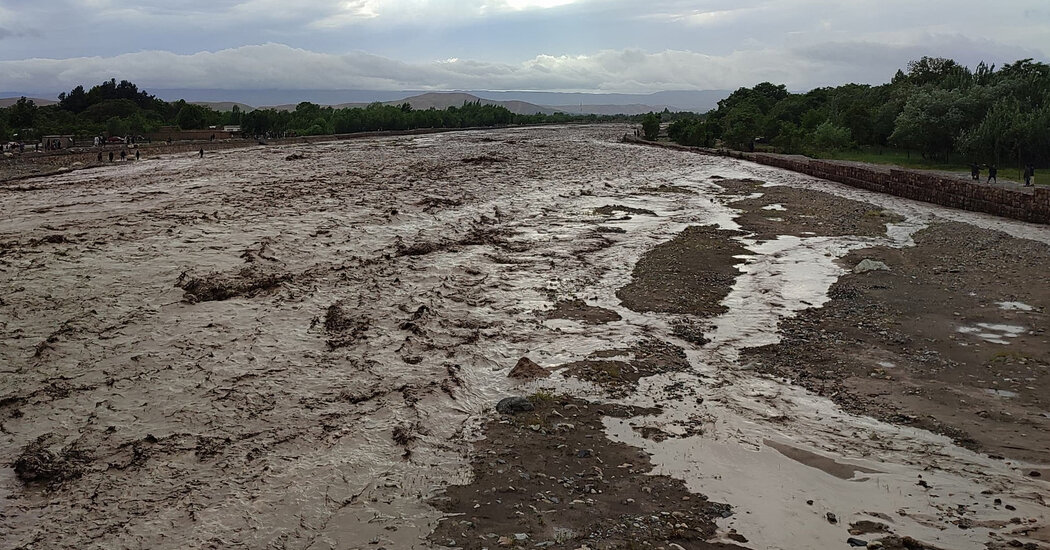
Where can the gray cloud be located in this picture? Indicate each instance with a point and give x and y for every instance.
(599, 45)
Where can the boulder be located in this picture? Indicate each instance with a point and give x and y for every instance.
(514, 405)
(866, 265)
(527, 369)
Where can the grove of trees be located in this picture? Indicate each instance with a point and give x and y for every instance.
(938, 109)
(118, 109)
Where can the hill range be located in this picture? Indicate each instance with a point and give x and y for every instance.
(516, 101)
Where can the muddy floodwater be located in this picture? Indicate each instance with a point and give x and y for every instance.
(302, 346)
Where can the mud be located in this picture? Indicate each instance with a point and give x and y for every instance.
(375, 295)
(619, 370)
(578, 310)
(549, 478)
(895, 344)
(691, 273)
(788, 211)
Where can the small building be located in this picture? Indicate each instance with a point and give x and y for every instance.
(58, 141)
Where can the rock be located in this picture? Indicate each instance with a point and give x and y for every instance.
(527, 369)
(856, 542)
(832, 518)
(584, 453)
(866, 265)
(514, 405)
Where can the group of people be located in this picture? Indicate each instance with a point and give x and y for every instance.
(53, 144)
(975, 173)
(123, 155)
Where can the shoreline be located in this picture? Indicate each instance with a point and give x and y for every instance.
(1011, 200)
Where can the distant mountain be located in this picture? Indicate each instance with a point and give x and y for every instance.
(440, 101)
(699, 101)
(224, 105)
(9, 101)
(586, 109)
(587, 103)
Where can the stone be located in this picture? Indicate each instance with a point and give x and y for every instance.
(832, 518)
(527, 369)
(866, 265)
(855, 542)
(514, 405)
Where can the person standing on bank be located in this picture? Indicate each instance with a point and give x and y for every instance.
(1029, 173)
(201, 152)
(975, 171)
(992, 171)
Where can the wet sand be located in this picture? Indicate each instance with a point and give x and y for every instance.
(301, 346)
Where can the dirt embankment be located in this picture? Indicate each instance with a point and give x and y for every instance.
(550, 478)
(952, 338)
(691, 273)
(785, 210)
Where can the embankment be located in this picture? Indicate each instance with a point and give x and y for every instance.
(1010, 201)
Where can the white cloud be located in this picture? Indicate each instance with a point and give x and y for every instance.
(277, 66)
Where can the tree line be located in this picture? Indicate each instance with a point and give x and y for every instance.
(937, 108)
(120, 108)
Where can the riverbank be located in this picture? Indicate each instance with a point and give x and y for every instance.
(1008, 199)
(303, 345)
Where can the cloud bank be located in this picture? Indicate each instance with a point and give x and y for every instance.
(279, 66)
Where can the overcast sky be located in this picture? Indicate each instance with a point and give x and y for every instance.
(553, 45)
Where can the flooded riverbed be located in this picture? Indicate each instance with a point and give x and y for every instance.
(295, 347)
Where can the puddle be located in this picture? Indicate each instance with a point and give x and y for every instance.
(1014, 306)
(994, 333)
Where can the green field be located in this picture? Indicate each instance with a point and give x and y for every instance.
(914, 160)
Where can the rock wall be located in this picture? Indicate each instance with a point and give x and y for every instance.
(1030, 204)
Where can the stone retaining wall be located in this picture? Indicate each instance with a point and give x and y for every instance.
(1027, 204)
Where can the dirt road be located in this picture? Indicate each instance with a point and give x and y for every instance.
(301, 347)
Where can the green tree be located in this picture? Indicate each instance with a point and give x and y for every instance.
(742, 125)
(651, 126)
(831, 137)
(22, 114)
(190, 117)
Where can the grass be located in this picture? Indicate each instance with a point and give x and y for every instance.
(914, 160)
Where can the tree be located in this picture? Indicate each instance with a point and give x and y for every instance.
(190, 117)
(742, 125)
(651, 126)
(76, 101)
(22, 114)
(830, 137)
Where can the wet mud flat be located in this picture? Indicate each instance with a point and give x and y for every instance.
(302, 347)
(549, 478)
(949, 335)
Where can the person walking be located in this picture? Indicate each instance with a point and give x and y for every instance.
(992, 172)
(975, 171)
(1029, 174)
(201, 153)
